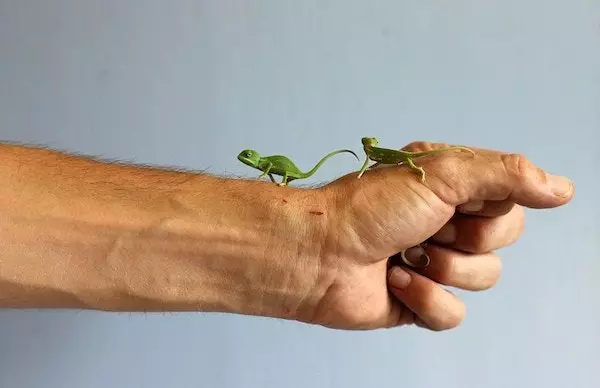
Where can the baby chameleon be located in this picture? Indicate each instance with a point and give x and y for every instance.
(281, 165)
(390, 156)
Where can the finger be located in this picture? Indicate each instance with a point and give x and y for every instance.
(473, 272)
(480, 234)
(459, 177)
(506, 177)
(438, 308)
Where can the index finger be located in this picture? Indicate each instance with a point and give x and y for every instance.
(459, 177)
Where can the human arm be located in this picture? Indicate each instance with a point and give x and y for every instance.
(85, 234)
(81, 233)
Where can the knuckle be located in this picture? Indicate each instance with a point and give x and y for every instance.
(446, 273)
(422, 145)
(519, 167)
(417, 145)
(480, 244)
(480, 237)
(515, 164)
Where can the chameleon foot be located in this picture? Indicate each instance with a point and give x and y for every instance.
(417, 169)
(422, 173)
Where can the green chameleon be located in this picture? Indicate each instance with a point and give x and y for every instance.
(281, 165)
(390, 156)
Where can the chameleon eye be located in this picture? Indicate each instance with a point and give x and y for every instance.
(248, 154)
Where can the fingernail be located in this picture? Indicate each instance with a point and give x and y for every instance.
(560, 185)
(445, 235)
(399, 278)
(471, 207)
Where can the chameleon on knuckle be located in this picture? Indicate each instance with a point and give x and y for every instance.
(388, 156)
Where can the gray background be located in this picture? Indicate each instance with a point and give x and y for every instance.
(191, 83)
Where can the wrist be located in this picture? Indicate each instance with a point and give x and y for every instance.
(227, 246)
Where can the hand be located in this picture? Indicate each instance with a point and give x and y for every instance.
(468, 208)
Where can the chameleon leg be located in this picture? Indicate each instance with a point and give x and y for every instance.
(266, 171)
(414, 167)
(271, 177)
(284, 180)
(363, 168)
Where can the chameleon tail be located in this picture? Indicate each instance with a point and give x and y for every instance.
(329, 155)
(439, 150)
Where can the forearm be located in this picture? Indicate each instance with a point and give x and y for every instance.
(78, 233)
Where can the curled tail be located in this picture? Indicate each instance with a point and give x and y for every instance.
(329, 155)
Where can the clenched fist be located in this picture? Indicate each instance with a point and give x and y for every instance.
(467, 208)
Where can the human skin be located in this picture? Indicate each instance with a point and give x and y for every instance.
(88, 234)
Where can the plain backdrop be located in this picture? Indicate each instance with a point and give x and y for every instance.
(192, 83)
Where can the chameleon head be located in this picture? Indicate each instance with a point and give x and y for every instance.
(249, 157)
(369, 141)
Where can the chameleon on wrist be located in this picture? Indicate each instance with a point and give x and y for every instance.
(282, 165)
